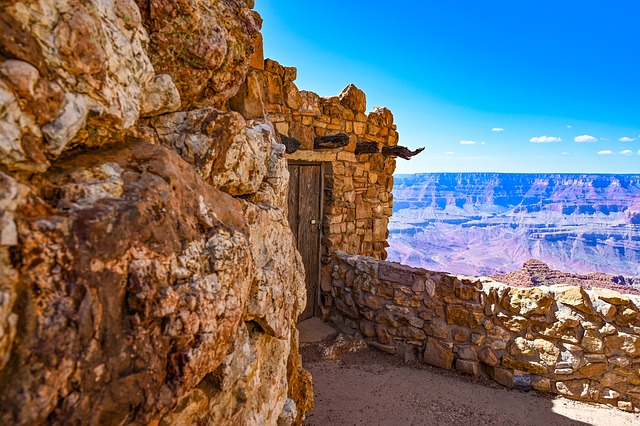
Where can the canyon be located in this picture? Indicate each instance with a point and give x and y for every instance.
(490, 223)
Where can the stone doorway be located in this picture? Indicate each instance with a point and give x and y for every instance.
(305, 219)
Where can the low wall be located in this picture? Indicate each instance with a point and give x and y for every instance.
(583, 344)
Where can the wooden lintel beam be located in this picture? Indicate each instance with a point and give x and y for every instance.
(367, 148)
(330, 142)
(400, 151)
(291, 144)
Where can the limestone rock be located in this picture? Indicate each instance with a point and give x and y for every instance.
(592, 370)
(208, 65)
(611, 296)
(226, 150)
(380, 116)
(461, 316)
(539, 383)
(353, 98)
(73, 65)
(8, 319)
(436, 354)
(182, 293)
(625, 406)
(548, 352)
(577, 298)
(160, 96)
(468, 367)
(504, 376)
(487, 356)
(579, 389)
(627, 343)
(521, 347)
(275, 308)
(250, 386)
(529, 366)
(592, 342)
(299, 380)
(249, 101)
(292, 96)
(310, 103)
(527, 301)
(134, 289)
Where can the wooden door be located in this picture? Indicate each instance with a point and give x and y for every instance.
(305, 209)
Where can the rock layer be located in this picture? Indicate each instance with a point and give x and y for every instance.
(489, 223)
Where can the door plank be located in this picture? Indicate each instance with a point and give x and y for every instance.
(292, 199)
(306, 202)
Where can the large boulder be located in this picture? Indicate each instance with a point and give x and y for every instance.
(205, 46)
(133, 288)
(73, 73)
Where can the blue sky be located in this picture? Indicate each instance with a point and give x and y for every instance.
(560, 78)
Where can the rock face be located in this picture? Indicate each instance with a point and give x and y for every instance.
(582, 344)
(488, 223)
(147, 271)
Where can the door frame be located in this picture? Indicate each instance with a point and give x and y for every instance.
(318, 273)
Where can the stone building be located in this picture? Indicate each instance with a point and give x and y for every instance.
(341, 163)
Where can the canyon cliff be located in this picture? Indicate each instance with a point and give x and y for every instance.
(148, 274)
(487, 223)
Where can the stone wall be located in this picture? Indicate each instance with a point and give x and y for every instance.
(582, 344)
(357, 201)
(357, 197)
(148, 274)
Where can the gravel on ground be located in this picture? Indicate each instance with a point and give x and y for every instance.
(369, 387)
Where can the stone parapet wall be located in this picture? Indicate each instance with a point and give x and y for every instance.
(582, 344)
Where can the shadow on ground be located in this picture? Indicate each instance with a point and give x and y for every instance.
(368, 387)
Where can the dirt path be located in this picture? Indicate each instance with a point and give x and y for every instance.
(372, 388)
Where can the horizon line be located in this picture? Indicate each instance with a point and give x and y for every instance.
(526, 173)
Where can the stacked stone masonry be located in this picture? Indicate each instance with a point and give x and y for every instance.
(582, 344)
(357, 197)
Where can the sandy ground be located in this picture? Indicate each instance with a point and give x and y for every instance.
(372, 388)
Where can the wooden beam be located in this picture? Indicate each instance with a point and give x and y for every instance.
(400, 151)
(367, 148)
(292, 144)
(330, 142)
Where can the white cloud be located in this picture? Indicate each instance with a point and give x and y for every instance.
(569, 126)
(545, 139)
(585, 138)
(626, 152)
(497, 129)
(449, 153)
(626, 139)
(639, 152)
(483, 143)
(565, 153)
(605, 152)
(463, 142)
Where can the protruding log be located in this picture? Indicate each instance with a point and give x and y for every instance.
(400, 151)
(367, 148)
(291, 144)
(329, 142)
